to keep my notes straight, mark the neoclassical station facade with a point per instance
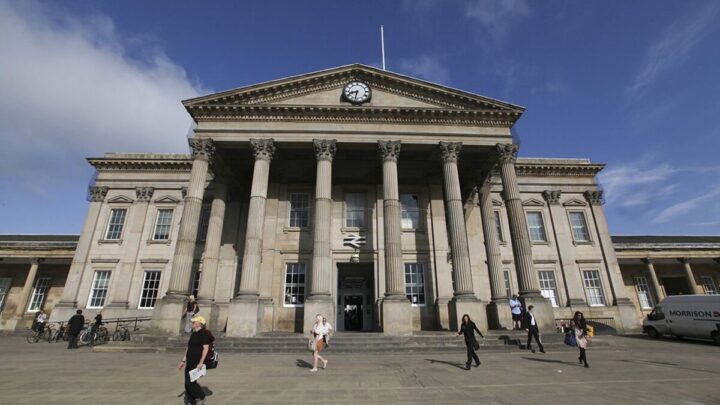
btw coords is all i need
(383, 202)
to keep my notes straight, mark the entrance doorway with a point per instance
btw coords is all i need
(676, 286)
(355, 298)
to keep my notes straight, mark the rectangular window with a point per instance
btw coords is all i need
(203, 223)
(548, 288)
(643, 292)
(593, 286)
(536, 226)
(415, 283)
(709, 285)
(508, 285)
(115, 225)
(195, 279)
(410, 211)
(42, 285)
(163, 221)
(579, 227)
(99, 289)
(150, 288)
(4, 288)
(299, 210)
(355, 210)
(295, 284)
(498, 227)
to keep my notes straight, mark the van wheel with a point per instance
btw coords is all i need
(653, 333)
(716, 337)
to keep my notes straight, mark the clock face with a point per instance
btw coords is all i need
(357, 92)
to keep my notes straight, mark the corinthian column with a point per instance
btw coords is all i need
(244, 310)
(397, 316)
(167, 315)
(319, 300)
(206, 293)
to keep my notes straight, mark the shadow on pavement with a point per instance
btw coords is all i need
(302, 363)
(548, 360)
(449, 363)
(669, 339)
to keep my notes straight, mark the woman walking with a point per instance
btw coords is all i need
(579, 327)
(195, 355)
(320, 334)
(468, 328)
(191, 309)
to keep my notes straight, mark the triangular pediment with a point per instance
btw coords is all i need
(322, 92)
(120, 199)
(167, 199)
(533, 202)
(574, 203)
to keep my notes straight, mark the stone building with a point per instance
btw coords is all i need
(384, 202)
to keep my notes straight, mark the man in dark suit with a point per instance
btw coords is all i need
(533, 330)
(75, 325)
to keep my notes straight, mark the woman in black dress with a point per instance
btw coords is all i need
(468, 329)
(197, 350)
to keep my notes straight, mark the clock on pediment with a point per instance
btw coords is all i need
(357, 92)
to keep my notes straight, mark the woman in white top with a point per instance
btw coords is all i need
(320, 332)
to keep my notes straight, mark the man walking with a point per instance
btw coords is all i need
(516, 310)
(75, 325)
(533, 330)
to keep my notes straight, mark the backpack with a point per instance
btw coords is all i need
(211, 360)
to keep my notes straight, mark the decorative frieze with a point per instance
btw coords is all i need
(389, 150)
(324, 149)
(507, 152)
(97, 194)
(263, 149)
(552, 196)
(594, 197)
(144, 193)
(202, 148)
(450, 151)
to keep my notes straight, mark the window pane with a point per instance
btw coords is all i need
(643, 291)
(536, 226)
(547, 286)
(498, 227)
(595, 294)
(4, 288)
(115, 225)
(151, 286)
(162, 224)
(355, 206)
(579, 227)
(295, 284)
(415, 283)
(410, 211)
(99, 289)
(508, 286)
(42, 284)
(709, 285)
(299, 210)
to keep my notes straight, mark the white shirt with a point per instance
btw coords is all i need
(515, 306)
(532, 319)
(41, 318)
(322, 330)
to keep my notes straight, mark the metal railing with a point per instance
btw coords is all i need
(110, 321)
(601, 325)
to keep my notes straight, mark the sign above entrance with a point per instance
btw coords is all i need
(354, 241)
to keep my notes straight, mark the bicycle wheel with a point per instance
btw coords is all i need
(126, 335)
(84, 337)
(117, 336)
(32, 337)
(47, 335)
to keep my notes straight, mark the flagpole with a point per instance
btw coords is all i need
(382, 45)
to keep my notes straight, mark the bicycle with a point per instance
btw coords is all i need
(60, 333)
(121, 334)
(34, 336)
(101, 335)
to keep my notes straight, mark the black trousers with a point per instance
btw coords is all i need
(583, 356)
(471, 355)
(72, 341)
(193, 389)
(533, 332)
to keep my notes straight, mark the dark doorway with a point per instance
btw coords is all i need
(676, 286)
(353, 307)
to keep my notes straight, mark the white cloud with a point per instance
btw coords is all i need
(425, 67)
(685, 207)
(495, 16)
(70, 90)
(674, 46)
(633, 184)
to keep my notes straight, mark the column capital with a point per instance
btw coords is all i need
(324, 149)
(647, 260)
(507, 152)
(684, 260)
(97, 194)
(203, 149)
(144, 193)
(389, 150)
(552, 196)
(36, 260)
(183, 191)
(263, 149)
(450, 151)
(594, 197)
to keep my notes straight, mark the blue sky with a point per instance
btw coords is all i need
(631, 84)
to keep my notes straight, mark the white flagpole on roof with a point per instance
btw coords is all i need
(382, 45)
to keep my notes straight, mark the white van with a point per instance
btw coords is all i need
(693, 316)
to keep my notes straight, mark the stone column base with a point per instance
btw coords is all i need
(243, 318)
(499, 315)
(630, 320)
(206, 309)
(442, 306)
(167, 316)
(471, 306)
(543, 312)
(397, 317)
(323, 306)
(218, 316)
(14, 324)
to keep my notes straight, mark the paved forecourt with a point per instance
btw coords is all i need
(631, 370)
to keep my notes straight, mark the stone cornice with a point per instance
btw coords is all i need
(365, 114)
(555, 169)
(171, 163)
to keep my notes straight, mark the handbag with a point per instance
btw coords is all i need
(570, 339)
(312, 344)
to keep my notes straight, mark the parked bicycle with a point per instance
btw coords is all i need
(122, 333)
(60, 334)
(87, 337)
(34, 336)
